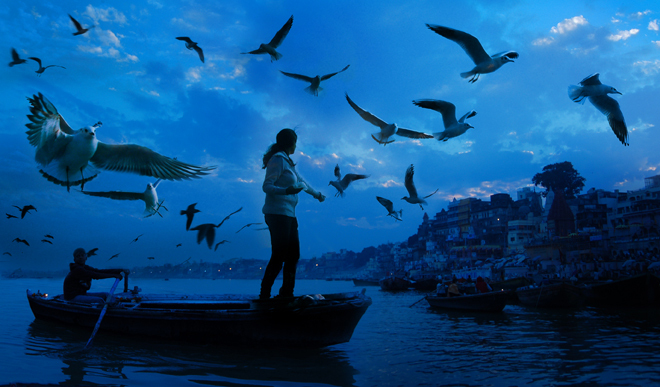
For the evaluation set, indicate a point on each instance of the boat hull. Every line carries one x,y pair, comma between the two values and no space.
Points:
299,322
558,295
482,302
394,283
639,290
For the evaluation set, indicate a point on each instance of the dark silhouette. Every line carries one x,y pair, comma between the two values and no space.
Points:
49,236
25,210
79,279
247,225
9,216
42,68
92,252
19,240
270,47
220,243
190,45
136,239
15,59
114,256
560,177
79,28
315,86
190,213
46,241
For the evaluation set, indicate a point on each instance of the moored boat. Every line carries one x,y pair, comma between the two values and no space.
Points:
306,321
393,283
638,290
494,301
553,295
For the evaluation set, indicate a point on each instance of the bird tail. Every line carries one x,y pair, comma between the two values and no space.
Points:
575,93
439,136
57,175
467,74
381,139
313,91
275,56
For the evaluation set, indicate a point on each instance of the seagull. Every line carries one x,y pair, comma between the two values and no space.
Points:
390,208
9,216
591,87
25,209
453,128
227,217
190,45
7,253
151,258
114,256
315,86
206,231
15,59
386,130
49,236
92,252
42,68
136,239
190,213
219,243
270,47
484,63
178,245
79,28
247,225
19,240
149,196
46,241
65,154
342,183
412,191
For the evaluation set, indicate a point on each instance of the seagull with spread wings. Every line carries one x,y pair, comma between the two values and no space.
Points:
79,28
390,208
15,59
65,155
484,63
315,82
269,48
453,128
341,184
386,130
41,68
25,209
19,240
189,213
190,45
207,230
247,225
92,252
220,243
413,197
597,93
149,197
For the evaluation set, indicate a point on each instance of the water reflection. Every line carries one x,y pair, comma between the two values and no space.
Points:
112,354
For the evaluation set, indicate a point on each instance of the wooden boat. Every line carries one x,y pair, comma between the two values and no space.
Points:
638,290
482,302
424,282
394,283
306,321
553,295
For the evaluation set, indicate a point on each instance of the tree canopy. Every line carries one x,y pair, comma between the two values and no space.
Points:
560,177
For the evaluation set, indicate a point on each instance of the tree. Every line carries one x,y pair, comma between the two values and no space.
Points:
560,177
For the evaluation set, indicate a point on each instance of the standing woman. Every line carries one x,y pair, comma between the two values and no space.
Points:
282,185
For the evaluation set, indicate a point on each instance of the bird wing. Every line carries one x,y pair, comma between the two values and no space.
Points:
323,78
447,109
117,195
47,130
337,172
185,39
257,51
408,182
468,43
14,55
366,115
412,134
143,161
199,52
386,203
297,76
281,34
76,23
227,217
591,80
92,251
36,60
434,192
610,108
508,54
467,115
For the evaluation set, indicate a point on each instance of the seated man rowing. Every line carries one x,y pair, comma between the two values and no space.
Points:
79,279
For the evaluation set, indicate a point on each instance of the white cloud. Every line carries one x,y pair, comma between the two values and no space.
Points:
648,67
623,35
106,15
155,3
108,38
90,49
656,42
653,25
569,24
543,41
615,20
639,15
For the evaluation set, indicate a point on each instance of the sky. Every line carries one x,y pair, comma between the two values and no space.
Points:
130,73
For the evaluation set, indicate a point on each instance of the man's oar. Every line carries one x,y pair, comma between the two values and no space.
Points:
105,307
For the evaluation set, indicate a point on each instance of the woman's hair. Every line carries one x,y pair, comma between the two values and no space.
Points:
285,139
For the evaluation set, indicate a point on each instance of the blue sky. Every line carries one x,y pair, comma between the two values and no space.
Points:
133,75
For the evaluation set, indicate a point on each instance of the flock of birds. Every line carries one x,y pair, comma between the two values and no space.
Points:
71,157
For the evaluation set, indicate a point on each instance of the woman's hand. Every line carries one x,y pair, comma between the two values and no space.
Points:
293,190
321,197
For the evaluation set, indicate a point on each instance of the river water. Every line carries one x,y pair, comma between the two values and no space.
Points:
393,345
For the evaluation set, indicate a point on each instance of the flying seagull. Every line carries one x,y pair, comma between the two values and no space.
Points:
453,128
484,63
315,86
25,209
269,48
390,208
386,130
7,253
65,154
207,230
219,243
114,256
46,241
92,252
227,217
151,258
9,216
591,87
49,236
149,196
42,68
178,245
136,239
15,59
247,225
189,213
79,28
412,191
190,45
342,183
19,240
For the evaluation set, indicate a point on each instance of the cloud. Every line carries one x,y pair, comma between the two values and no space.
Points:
543,41
653,25
623,35
638,15
108,38
649,67
569,24
656,42
106,15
